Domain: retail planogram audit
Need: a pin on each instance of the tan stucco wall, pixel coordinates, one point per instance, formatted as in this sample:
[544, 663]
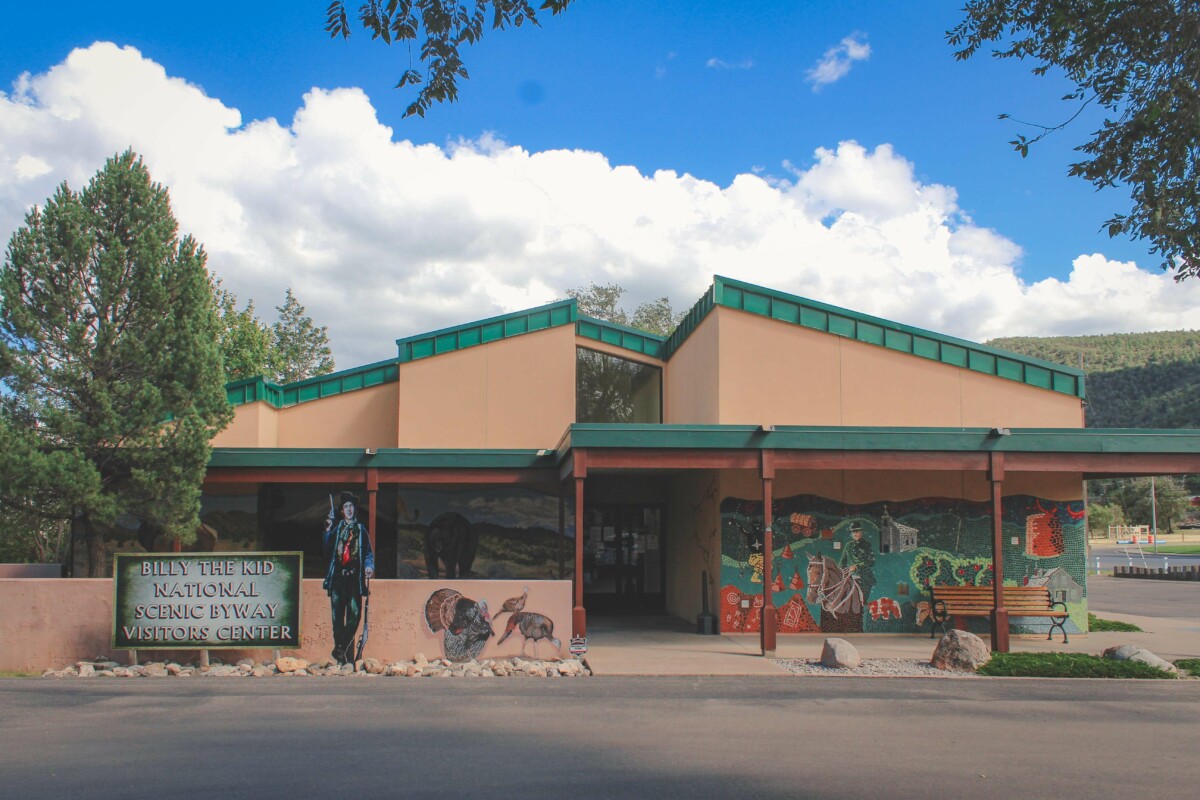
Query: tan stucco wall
[513, 393]
[253, 425]
[691, 381]
[778, 373]
[693, 528]
[54, 623]
[361, 418]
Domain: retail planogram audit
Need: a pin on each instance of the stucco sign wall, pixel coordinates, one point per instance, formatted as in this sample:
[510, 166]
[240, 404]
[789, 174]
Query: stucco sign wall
[207, 601]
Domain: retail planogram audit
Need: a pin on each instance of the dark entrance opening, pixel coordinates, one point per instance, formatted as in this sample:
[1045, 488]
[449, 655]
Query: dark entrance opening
[624, 571]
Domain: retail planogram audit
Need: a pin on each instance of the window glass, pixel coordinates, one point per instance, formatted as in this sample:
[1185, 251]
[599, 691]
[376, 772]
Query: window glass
[613, 389]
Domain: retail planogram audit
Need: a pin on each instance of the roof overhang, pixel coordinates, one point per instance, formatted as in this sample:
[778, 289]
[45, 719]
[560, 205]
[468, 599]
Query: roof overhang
[1093, 453]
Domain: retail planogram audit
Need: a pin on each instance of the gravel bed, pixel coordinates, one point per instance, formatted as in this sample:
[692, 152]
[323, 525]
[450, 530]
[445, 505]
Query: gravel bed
[872, 667]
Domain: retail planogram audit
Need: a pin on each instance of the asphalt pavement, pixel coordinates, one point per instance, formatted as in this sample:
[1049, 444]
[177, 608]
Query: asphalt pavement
[633, 737]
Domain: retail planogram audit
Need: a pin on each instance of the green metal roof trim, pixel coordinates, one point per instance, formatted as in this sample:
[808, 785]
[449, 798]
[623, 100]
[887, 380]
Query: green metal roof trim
[622, 336]
[723, 292]
[290, 394]
[796, 437]
[881, 332]
[345, 458]
[447, 340]
[692, 319]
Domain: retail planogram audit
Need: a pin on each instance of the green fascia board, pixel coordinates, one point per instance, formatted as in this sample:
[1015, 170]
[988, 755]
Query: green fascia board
[505, 326]
[789, 437]
[348, 458]
[778, 305]
[251, 390]
[622, 336]
[692, 319]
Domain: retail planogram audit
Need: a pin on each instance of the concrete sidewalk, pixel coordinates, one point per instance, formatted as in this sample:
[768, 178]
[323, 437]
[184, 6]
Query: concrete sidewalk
[664, 645]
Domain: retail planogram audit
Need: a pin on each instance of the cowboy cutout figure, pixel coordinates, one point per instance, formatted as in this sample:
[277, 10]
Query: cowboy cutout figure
[351, 566]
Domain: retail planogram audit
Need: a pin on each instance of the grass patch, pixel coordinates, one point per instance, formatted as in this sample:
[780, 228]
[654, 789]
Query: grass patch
[1066, 665]
[1174, 550]
[1192, 665]
[10, 674]
[1100, 624]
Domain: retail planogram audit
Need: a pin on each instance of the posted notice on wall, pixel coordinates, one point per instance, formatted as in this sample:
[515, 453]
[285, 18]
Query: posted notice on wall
[205, 601]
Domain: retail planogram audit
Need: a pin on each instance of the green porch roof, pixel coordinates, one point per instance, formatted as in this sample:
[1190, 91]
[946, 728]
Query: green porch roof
[846, 438]
[597, 436]
[385, 458]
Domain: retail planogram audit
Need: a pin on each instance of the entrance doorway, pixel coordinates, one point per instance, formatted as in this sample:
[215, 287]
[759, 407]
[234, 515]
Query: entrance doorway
[623, 566]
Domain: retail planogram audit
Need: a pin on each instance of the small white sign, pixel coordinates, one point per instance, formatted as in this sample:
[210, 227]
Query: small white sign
[578, 645]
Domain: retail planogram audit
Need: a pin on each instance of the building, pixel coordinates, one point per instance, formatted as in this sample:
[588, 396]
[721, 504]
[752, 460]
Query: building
[662, 453]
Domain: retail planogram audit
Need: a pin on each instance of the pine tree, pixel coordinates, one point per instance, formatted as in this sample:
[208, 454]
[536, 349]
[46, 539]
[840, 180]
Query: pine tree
[110, 373]
[301, 348]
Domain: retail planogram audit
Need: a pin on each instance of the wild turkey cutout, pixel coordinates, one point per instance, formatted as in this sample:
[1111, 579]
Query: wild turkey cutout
[532, 627]
[464, 623]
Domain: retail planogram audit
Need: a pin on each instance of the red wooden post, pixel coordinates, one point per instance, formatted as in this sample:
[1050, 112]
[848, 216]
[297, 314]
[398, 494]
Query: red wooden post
[578, 614]
[372, 505]
[769, 619]
[999, 612]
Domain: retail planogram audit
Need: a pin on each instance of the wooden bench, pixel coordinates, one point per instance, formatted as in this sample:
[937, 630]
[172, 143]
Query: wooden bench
[956, 603]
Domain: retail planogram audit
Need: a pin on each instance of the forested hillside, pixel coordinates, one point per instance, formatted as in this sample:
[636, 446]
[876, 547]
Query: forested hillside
[1107, 352]
[1134, 380]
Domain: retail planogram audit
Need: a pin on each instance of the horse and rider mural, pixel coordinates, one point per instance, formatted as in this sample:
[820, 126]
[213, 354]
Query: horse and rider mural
[845, 568]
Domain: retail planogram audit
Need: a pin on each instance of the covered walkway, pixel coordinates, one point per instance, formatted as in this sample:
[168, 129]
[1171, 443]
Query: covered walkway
[666, 645]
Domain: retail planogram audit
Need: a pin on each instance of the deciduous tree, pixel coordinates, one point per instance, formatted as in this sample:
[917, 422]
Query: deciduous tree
[442, 26]
[1140, 62]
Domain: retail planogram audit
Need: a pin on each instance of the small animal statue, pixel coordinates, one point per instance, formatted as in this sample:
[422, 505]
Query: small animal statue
[465, 623]
[884, 607]
[452, 540]
[533, 627]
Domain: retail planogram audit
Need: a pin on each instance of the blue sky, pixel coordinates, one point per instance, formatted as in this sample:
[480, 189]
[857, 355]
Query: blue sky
[930, 218]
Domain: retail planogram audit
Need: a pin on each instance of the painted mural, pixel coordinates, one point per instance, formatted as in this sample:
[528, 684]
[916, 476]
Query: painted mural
[465, 626]
[488, 533]
[842, 568]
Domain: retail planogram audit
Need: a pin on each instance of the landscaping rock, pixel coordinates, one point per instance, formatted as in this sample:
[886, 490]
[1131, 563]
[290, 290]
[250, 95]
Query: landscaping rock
[1130, 652]
[840, 654]
[290, 664]
[960, 651]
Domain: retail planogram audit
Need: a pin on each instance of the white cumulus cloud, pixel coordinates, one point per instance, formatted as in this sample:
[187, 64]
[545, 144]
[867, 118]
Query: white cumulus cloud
[836, 62]
[382, 237]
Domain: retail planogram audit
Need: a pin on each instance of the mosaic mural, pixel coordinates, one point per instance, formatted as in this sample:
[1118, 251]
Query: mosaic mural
[842, 568]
